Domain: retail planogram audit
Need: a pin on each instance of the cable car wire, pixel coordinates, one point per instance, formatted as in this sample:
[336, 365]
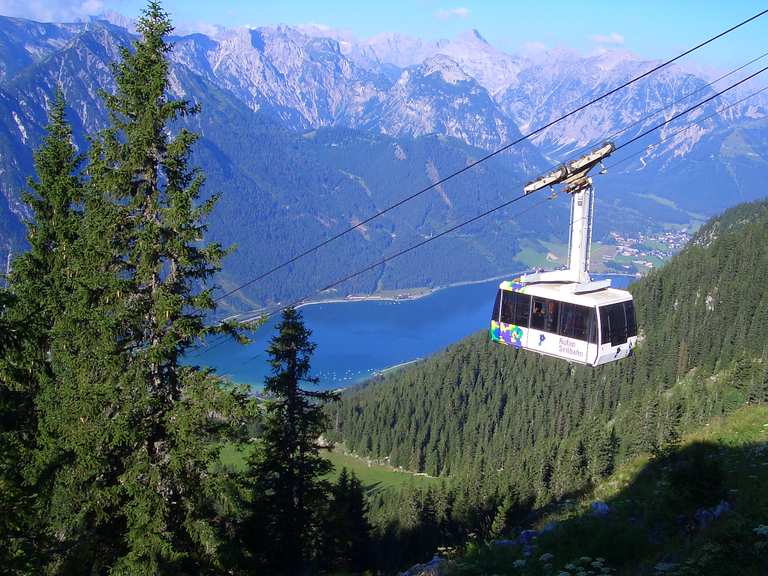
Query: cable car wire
[485, 158]
[611, 136]
[224, 338]
[689, 109]
[684, 128]
[505, 204]
[499, 207]
[267, 315]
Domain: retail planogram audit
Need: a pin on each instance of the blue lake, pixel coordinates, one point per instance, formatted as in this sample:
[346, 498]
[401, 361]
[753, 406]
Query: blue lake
[356, 339]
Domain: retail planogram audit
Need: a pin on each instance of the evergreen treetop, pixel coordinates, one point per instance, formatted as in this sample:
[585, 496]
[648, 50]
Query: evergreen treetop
[39, 284]
[289, 494]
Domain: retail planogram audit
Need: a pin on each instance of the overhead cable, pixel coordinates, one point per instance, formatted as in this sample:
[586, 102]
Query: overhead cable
[486, 157]
[500, 206]
[684, 128]
[653, 113]
[690, 108]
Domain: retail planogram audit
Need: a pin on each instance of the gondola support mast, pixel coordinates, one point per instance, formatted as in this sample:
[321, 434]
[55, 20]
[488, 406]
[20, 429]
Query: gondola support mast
[574, 176]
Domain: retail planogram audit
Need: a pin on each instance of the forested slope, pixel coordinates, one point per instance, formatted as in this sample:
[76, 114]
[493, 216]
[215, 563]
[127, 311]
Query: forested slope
[696, 508]
[539, 428]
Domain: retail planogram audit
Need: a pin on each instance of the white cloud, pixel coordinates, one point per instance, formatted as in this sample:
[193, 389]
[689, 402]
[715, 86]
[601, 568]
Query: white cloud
[446, 13]
[319, 26]
[613, 38]
[211, 30]
[51, 10]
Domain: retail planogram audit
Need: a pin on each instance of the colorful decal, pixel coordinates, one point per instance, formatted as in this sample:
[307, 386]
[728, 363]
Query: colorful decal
[513, 284]
[509, 334]
[495, 331]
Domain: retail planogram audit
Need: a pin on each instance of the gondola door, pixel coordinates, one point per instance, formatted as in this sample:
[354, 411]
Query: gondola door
[514, 314]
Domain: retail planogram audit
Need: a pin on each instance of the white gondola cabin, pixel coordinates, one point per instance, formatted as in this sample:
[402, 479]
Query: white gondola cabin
[564, 313]
[593, 328]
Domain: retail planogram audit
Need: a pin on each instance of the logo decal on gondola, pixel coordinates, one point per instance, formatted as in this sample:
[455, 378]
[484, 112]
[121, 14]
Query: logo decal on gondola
[570, 348]
[495, 331]
[509, 334]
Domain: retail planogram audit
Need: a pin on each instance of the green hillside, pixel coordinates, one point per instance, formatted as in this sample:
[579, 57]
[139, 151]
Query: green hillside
[373, 476]
[699, 507]
[514, 433]
[541, 425]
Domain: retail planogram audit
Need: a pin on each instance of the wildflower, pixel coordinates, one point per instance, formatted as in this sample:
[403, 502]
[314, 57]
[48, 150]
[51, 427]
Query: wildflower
[600, 508]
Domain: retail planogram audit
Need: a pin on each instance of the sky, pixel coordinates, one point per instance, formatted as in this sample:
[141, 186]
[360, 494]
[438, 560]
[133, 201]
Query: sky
[651, 28]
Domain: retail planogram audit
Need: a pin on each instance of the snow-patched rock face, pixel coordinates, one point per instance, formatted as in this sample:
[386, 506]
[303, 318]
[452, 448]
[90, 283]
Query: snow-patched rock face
[463, 87]
[547, 91]
[307, 81]
[438, 97]
[313, 81]
[492, 68]
[446, 68]
[23, 43]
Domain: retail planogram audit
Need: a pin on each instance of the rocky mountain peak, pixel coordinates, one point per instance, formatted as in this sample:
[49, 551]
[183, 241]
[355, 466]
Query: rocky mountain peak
[473, 35]
[448, 69]
[607, 60]
[116, 19]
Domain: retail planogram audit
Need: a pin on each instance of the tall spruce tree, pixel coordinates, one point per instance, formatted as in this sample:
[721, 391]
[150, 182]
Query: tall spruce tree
[289, 494]
[346, 531]
[129, 436]
[39, 284]
[15, 496]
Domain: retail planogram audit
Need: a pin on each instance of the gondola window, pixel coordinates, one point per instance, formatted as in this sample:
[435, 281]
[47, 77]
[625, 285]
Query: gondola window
[545, 314]
[515, 308]
[617, 323]
[577, 322]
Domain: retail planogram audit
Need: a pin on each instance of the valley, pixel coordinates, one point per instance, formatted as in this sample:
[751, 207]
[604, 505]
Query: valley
[374, 476]
[293, 116]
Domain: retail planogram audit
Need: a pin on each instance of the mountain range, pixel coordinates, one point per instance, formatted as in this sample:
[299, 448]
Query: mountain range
[306, 131]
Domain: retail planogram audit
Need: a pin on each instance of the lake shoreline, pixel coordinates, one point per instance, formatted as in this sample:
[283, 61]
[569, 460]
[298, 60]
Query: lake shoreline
[404, 295]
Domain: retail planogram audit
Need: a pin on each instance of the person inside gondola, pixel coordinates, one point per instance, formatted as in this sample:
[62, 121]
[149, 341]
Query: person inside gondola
[538, 319]
[552, 312]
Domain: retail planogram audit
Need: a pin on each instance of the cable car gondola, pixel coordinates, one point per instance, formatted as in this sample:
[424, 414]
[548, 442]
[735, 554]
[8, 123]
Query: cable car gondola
[564, 313]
